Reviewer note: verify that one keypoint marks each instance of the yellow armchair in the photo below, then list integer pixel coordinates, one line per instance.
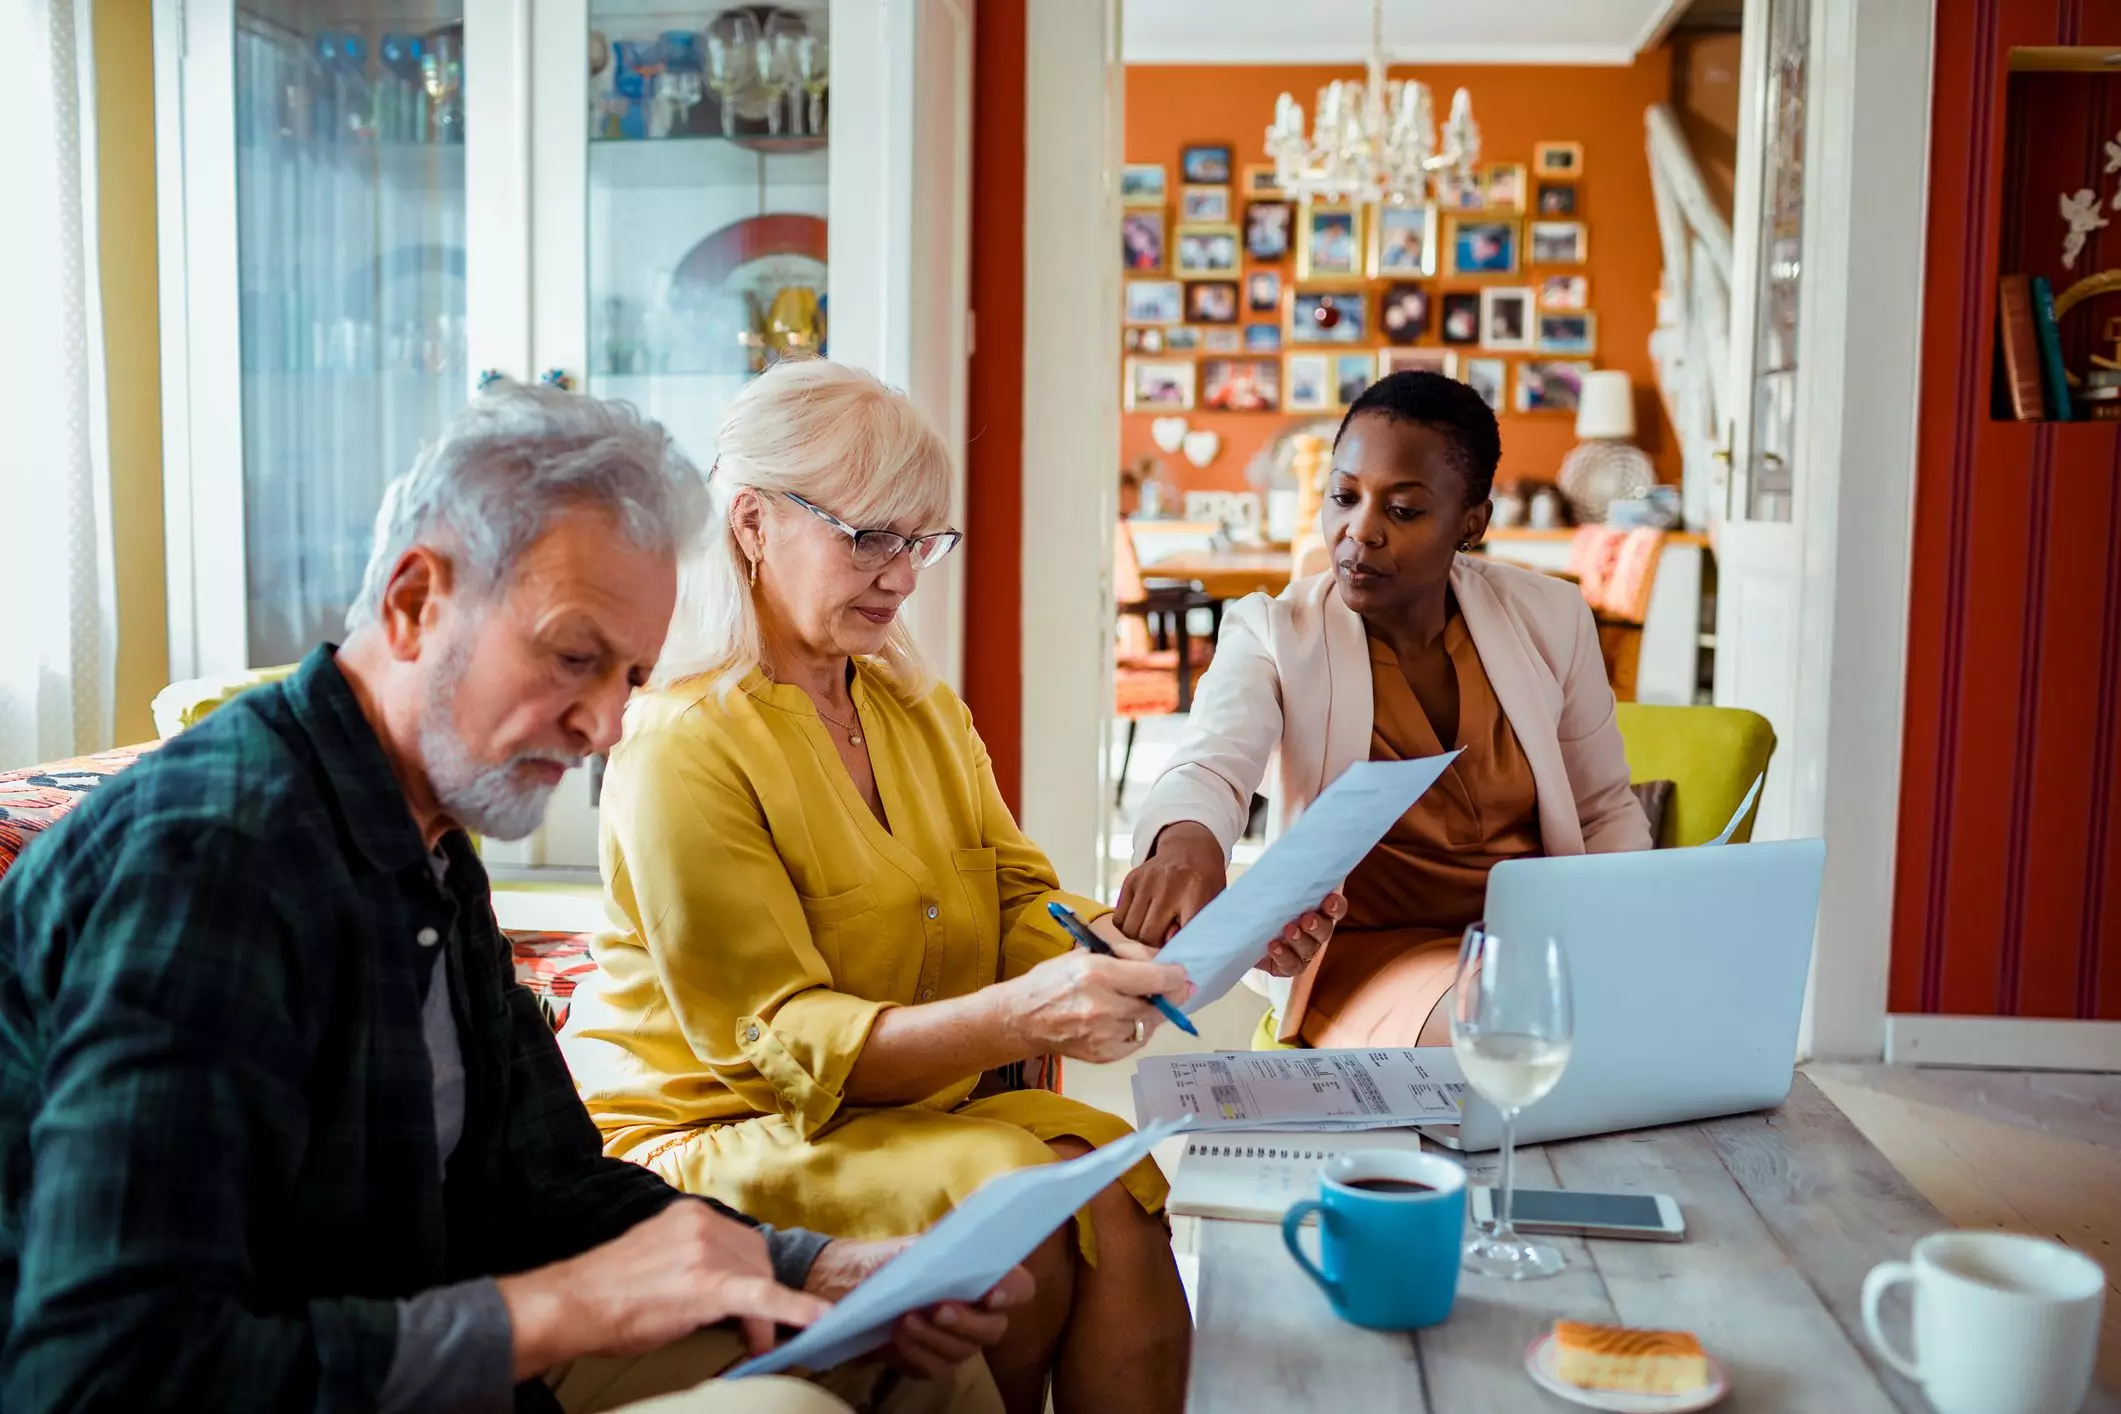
(1711, 755)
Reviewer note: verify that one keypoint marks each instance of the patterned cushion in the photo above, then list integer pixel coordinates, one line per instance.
(548, 964)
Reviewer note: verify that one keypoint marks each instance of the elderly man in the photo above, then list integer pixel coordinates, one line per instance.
(279, 1132)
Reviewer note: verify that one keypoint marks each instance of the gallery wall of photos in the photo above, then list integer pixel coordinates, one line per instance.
(1239, 300)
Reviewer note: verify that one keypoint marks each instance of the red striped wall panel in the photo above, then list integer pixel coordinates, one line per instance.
(2008, 895)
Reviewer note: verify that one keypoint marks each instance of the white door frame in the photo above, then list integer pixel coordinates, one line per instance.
(1073, 118)
(1869, 130)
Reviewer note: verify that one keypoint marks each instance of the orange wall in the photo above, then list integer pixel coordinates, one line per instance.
(994, 461)
(1171, 106)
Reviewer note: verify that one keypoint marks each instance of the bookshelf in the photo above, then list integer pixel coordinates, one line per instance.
(2062, 106)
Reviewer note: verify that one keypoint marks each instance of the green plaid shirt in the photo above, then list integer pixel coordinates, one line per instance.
(218, 1162)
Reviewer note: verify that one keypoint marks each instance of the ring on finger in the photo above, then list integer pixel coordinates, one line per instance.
(1141, 1032)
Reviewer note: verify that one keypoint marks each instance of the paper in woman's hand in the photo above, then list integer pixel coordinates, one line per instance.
(1309, 861)
(960, 1258)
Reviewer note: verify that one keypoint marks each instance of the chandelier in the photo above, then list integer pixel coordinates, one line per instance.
(1375, 142)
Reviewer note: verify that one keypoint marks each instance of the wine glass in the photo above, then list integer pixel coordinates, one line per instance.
(1511, 1030)
(777, 68)
(813, 66)
(732, 61)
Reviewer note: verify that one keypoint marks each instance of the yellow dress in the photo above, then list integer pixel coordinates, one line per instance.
(766, 917)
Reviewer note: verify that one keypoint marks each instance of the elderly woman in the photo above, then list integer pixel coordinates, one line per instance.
(831, 926)
(1406, 647)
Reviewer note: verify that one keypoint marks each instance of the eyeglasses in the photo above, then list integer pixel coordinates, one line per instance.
(873, 549)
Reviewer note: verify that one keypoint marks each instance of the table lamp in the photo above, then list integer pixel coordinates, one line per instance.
(1606, 465)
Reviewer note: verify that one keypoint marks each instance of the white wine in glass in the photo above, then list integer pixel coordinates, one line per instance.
(1511, 1030)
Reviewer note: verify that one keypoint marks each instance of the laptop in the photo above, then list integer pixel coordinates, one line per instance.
(1687, 969)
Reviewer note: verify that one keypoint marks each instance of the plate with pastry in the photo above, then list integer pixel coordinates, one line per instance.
(1625, 1371)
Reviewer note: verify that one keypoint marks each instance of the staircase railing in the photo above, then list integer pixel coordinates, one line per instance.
(1691, 347)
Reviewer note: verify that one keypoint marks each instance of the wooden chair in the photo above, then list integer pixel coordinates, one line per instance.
(1156, 664)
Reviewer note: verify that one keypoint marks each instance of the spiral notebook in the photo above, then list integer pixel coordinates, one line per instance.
(1254, 1176)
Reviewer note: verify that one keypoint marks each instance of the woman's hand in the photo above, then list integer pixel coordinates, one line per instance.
(1184, 870)
(927, 1344)
(1087, 1007)
(1300, 941)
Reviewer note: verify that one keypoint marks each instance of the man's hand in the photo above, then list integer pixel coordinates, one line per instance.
(684, 1268)
(926, 1344)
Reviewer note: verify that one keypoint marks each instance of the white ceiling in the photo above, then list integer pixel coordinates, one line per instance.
(1416, 31)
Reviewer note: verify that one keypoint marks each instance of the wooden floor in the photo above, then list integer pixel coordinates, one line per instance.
(2022, 1151)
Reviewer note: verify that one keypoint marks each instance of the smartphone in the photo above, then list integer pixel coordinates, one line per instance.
(1645, 1217)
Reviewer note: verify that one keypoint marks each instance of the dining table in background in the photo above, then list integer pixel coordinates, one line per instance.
(1786, 1211)
(1227, 574)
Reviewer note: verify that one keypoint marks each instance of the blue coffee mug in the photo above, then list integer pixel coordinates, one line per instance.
(1389, 1255)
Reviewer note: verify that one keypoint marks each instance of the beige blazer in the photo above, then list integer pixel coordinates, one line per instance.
(1291, 680)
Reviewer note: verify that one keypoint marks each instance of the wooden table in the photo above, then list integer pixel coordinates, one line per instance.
(1786, 1211)
(1227, 574)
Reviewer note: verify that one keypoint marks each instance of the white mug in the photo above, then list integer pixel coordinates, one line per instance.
(2003, 1324)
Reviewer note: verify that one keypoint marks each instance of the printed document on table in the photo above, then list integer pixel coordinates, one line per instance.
(961, 1257)
(1308, 862)
(1328, 1089)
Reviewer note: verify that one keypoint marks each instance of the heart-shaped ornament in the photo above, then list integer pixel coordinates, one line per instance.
(1169, 432)
(1202, 447)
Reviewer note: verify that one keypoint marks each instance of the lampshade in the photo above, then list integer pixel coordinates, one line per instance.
(1606, 407)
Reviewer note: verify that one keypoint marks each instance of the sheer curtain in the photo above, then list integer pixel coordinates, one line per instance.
(58, 615)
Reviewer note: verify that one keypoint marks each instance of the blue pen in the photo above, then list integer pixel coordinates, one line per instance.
(1079, 931)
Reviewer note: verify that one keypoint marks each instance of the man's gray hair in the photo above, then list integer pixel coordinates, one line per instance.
(515, 458)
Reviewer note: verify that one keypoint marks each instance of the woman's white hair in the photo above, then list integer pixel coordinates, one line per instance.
(840, 439)
(516, 457)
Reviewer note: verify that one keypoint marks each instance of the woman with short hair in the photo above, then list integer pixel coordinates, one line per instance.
(830, 928)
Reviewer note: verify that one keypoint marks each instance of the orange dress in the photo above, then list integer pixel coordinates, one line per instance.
(1391, 959)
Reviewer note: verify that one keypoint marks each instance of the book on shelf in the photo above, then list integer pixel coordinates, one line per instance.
(2050, 349)
(2017, 338)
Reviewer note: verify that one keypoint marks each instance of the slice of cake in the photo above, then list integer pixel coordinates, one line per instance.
(1636, 1362)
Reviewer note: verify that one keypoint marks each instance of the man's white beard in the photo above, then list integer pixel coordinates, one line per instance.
(487, 800)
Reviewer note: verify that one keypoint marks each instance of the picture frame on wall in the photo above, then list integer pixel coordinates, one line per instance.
(1403, 313)
(1503, 186)
(1557, 159)
(1204, 206)
(1222, 339)
(1212, 302)
(1205, 252)
(1391, 361)
(1564, 292)
(1260, 180)
(1489, 377)
(1240, 384)
(1155, 302)
(1143, 184)
(1557, 199)
(1160, 384)
(1568, 333)
(1143, 340)
(1307, 382)
(1402, 241)
(1263, 292)
(1459, 193)
(1460, 321)
(1482, 247)
(1268, 229)
(1181, 338)
(1506, 319)
(1353, 373)
(1560, 242)
(1329, 243)
(1328, 317)
(1550, 385)
(1262, 338)
(1205, 164)
(1141, 241)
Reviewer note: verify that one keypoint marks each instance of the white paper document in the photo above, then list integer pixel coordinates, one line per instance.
(1299, 1090)
(1309, 861)
(961, 1257)
(1744, 805)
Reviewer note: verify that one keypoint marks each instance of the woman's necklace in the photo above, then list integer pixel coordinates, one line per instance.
(853, 728)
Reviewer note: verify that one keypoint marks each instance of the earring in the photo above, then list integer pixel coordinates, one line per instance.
(754, 574)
